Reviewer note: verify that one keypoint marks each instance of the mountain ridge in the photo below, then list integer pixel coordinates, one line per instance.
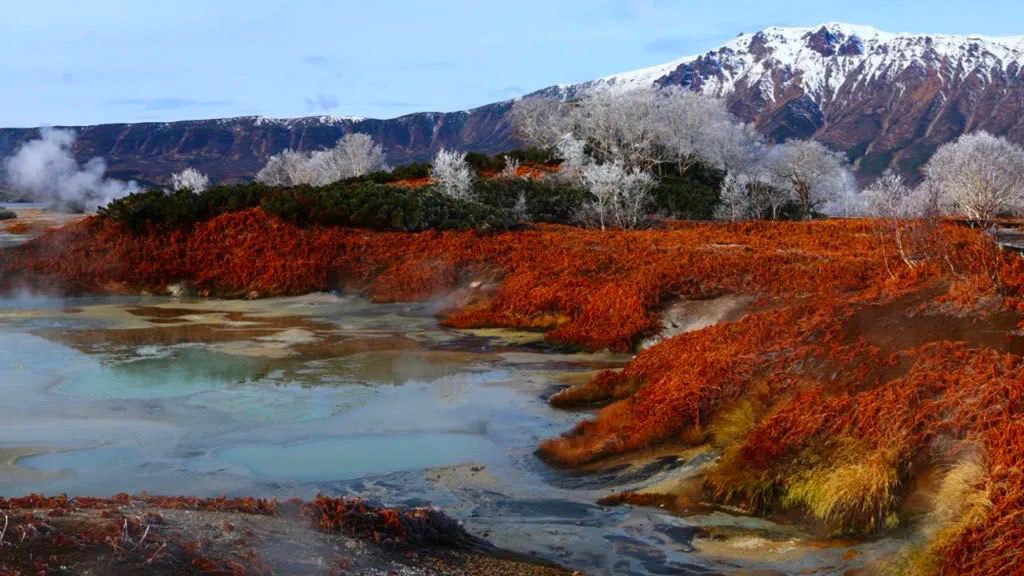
(885, 99)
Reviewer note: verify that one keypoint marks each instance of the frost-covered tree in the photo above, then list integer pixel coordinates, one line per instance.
(736, 200)
(817, 177)
(190, 179)
(733, 147)
(891, 201)
(746, 196)
(452, 174)
(692, 127)
(573, 153)
(752, 193)
(620, 127)
(289, 168)
(905, 216)
(539, 121)
(979, 176)
(620, 197)
(511, 169)
(890, 197)
(353, 155)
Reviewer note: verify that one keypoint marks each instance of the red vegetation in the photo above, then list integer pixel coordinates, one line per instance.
(590, 288)
(532, 171)
(850, 357)
(18, 227)
(994, 548)
(412, 182)
(388, 526)
(127, 534)
(44, 535)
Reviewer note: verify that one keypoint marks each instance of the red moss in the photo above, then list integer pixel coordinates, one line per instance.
(17, 227)
(387, 526)
(812, 358)
(589, 288)
(994, 548)
(126, 542)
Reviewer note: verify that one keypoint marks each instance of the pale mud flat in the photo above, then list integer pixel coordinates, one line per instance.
(296, 396)
(32, 221)
(691, 315)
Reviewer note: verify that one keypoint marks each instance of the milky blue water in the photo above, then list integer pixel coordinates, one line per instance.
(292, 397)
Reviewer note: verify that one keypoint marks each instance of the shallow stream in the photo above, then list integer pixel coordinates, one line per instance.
(322, 393)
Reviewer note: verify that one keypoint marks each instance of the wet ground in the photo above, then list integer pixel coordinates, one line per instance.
(292, 397)
(32, 220)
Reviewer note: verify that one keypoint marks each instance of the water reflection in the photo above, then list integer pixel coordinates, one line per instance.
(290, 397)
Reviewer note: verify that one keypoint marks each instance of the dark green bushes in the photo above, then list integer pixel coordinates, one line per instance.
(694, 195)
(182, 207)
(384, 207)
(362, 204)
(543, 201)
(406, 172)
(6, 214)
(484, 163)
(370, 201)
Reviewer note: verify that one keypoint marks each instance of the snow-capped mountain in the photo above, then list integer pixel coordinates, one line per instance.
(883, 98)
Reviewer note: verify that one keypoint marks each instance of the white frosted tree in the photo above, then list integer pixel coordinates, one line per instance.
(619, 196)
(906, 217)
(817, 177)
(620, 127)
(751, 193)
(511, 169)
(733, 147)
(890, 197)
(539, 121)
(692, 127)
(289, 168)
(353, 155)
(573, 153)
(746, 197)
(891, 201)
(452, 174)
(978, 176)
(736, 201)
(190, 179)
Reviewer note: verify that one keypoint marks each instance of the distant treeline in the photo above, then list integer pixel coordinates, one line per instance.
(380, 201)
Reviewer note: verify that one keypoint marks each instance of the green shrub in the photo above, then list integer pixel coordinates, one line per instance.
(222, 199)
(545, 201)
(153, 206)
(383, 207)
(693, 195)
(530, 155)
(363, 204)
(406, 172)
(6, 214)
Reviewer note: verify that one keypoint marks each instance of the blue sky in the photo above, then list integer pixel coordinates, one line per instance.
(77, 62)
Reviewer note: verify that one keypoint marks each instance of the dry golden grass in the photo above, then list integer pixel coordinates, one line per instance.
(733, 424)
(855, 491)
(961, 503)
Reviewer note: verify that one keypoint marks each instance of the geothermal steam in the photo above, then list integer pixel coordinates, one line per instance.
(45, 170)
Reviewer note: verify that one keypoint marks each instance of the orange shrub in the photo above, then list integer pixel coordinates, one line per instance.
(847, 360)
(591, 288)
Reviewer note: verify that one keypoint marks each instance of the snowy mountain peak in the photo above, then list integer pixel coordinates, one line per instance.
(884, 98)
(822, 58)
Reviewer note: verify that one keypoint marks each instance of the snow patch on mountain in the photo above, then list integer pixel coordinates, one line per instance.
(823, 59)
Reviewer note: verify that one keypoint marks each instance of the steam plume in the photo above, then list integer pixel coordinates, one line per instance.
(45, 170)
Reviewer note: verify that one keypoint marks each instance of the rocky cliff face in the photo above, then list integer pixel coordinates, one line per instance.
(883, 99)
